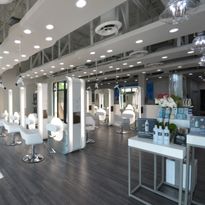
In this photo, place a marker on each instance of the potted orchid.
(167, 103)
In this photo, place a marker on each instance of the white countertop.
(171, 150)
(196, 140)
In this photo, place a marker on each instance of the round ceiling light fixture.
(81, 3)
(27, 31)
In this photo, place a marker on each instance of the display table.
(192, 142)
(171, 151)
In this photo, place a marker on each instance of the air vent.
(138, 53)
(108, 28)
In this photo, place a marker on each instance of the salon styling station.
(170, 151)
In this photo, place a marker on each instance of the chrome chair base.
(90, 141)
(33, 158)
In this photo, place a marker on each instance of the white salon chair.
(4, 117)
(56, 128)
(101, 115)
(32, 137)
(12, 129)
(16, 118)
(89, 126)
(31, 121)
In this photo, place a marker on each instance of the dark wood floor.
(95, 175)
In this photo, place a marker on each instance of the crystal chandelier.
(178, 10)
(198, 44)
(202, 61)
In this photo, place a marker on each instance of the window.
(60, 100)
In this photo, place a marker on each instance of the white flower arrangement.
(166, 101)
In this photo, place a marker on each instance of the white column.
(142, 84)
(111, 106)
(22, 105)
(82, 113)
(10, 104)
(40, 107)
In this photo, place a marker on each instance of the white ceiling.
(150, 34)
(63, 14)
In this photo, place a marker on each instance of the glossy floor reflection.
(95, 175)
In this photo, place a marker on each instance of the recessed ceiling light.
(36, 76)
(117, 76)
(139, 41)
(139, 62)
(52, 66)
(179, 66)
(128, 74)
(36, 46)
(125, 81)
(31, 77)
(102, 56)
(71, 66)
(190, 73)
(136, 80)
(85, 72)
(45, 74)
(51, 71)
(108, 83)
(17, 42)
(164, 57)
(88, 80)
(61, 63)
(3, 68)
(49, 26)
(35, 72)
(79, 76)
(73, 75)
(27, 31)
(190, 52)
(109, 51)
(173, 30)
(92, 53)
(124, 64)
(6, 52)
(110, 66)
(91, 73)
(42, 70)
(131, 66)
(105, 78)
(160, 77)
(81, 3)
(117, 68)
(62, 68)
(143, 72)
(16, 60)
(94, 70)
(158, 70)
(88, 61)
(28, 75)
(8, 65)
(1, 57)
(49, 38)
(23, 55)
(101, 71)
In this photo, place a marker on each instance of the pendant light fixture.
(198, 44)
(177, 11)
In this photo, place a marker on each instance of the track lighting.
(19, 81)
(2, 85)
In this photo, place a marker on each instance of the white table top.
(171, 150)
(196, 140)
